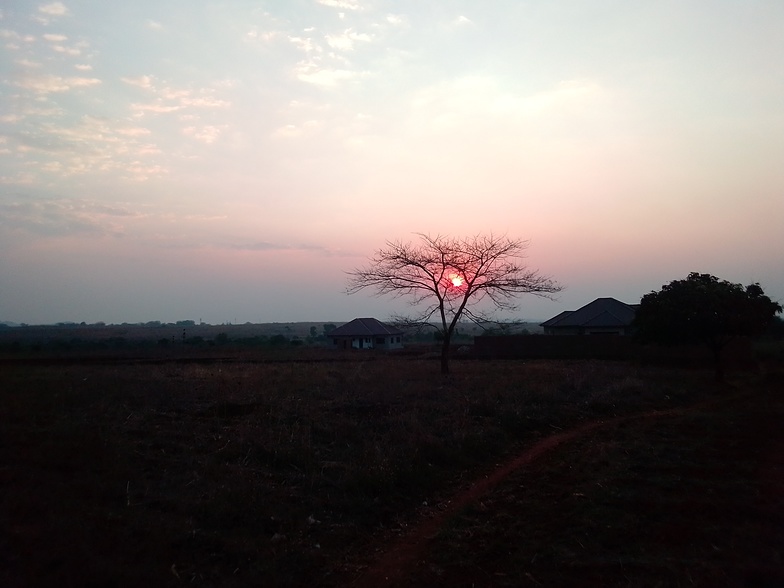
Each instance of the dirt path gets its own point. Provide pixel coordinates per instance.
(395, 564)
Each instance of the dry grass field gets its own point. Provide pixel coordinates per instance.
(339, 469)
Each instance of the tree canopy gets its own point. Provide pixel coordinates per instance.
(704, 309)
(452, 277)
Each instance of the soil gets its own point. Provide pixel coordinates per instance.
(493, 532)
(172, 472)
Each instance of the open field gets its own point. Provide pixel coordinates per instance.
(84, 337)
(370, 468)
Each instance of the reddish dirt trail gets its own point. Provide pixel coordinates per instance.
(393, 566)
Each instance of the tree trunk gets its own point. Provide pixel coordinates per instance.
(445, 355)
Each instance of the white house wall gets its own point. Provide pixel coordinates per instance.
(389, 342)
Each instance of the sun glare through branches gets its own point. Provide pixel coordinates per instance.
(456, 281)
(447, 278)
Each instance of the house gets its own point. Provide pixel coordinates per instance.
(366, 333)
(603, 316)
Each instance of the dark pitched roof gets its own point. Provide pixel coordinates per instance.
(364, 327)
(602, 312)
(557, 318)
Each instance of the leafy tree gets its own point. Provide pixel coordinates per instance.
(448, 278)
(703, 309)
(775, 329)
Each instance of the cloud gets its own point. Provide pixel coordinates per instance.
(55, 38)
(267, 246)
(83, 82)
(15, 38)
(304, 44)
(154, 108)
(204, 102)
(154, 25)
(133, 131)
(21, 178)
(67, 50)
(256, 35)
(396, 20)
(29, 63)
(29, 110)
(46, 139)
(208, 134)
(55, 84)
(83, 67)
(53, 9)
(184, 102)
(345, 41)
(63, 217)
(205, 217)
(143, 150)
(140, 82)
(35, 111)
(342, 4)
(93, 145)
(140, 172)
(475, 98)
(174, 94)
(46, 12)
(325, 77)
(294, 131)
(173, 99)
(260, 246)
(462, 21)
(227, 83)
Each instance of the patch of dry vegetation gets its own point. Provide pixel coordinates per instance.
(274, 473)
(692, 498)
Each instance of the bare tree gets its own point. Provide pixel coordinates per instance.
(451, 277)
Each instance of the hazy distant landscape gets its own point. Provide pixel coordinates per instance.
(193, 335)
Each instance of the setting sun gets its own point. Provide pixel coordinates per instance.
(456, 280)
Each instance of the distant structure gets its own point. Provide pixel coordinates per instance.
(366, 333)
(603, 316)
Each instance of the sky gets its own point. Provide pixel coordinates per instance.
(231, 161)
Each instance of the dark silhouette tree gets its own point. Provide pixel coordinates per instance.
(776, 329)
(705, 310)
(449, 278)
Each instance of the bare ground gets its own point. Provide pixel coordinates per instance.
(683, 497)
(381, 473)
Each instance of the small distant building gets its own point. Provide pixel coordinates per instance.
(366, 333)
(603, 316)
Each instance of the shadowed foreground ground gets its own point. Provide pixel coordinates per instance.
(374, 470)
(693, 496)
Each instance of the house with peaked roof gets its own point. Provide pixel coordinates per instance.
(603, 316)
(366, 333)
